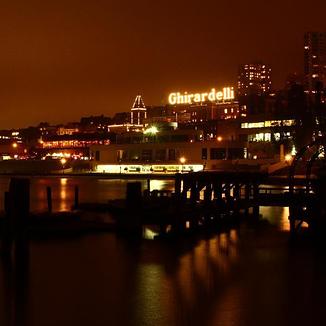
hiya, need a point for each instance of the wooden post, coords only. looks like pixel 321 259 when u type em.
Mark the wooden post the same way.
pixel 185 188
pixel 177 185
pixel 237 197
pixel 208 193
pixel 131 220
pixel 133 196
pixel 49 198
pixel 236 191
pixel 227 190
pixel 17 209
pixel 19 201
pixel 194 194
pixel 218 190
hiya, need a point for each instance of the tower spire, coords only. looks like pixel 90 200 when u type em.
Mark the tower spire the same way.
pixel 138 111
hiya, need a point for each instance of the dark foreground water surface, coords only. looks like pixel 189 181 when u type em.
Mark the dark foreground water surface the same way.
pixel 249 276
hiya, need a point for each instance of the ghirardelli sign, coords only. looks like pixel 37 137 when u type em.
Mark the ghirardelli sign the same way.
pixel 226 94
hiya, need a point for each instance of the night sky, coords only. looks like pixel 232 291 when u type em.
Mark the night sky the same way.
pixel 63 59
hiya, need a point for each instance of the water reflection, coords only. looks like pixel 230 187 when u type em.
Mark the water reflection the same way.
pixel 90 190
pixel 234 278
pixel 285 223
pixel 161 185
pixel 150 306
pixel 240 277
pixel 63 195
pixel 278 216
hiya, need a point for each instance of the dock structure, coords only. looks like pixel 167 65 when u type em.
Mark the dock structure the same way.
pixel 243 191
pixel 205 198
pixel 308 205
pixel 228 189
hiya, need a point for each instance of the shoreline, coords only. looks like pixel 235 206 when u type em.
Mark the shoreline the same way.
pixel 95 175
pixel 272 180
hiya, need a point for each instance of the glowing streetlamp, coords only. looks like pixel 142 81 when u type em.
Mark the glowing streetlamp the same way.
pixel 182 161
pixel 14 145
pixel 288 158
pixel 219 138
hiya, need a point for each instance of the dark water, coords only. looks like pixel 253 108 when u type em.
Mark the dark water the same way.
pixel 249 276
pixel 91 189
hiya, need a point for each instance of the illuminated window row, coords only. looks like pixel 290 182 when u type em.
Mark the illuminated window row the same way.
pixel 268 123
pixel 73 143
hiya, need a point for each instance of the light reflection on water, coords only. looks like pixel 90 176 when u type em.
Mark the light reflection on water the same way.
pixel 90 190
pixel 278 216
pixel 63 194
pixel 239 277
pixel 101 190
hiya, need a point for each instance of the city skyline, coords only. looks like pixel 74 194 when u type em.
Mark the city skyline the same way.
pixel 66 60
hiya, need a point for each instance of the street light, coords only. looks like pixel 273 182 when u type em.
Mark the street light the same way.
pixel 288 158
pixel 182 161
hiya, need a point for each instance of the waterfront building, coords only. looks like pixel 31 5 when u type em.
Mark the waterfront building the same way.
pixel 167 157
pixel 76 145
pixel 314 60
pixel 238 143
pixel 254 79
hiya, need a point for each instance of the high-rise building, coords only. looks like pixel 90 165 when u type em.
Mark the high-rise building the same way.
pixel 138 112
pixel 314 60
pixel 254 78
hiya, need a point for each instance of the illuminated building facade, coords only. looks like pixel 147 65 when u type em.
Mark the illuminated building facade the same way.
pixel 254 79
pixel 196 113
pixel 167 157
pixel 314 60
pixel 262 130
pixel 76 145
pixel 11 145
